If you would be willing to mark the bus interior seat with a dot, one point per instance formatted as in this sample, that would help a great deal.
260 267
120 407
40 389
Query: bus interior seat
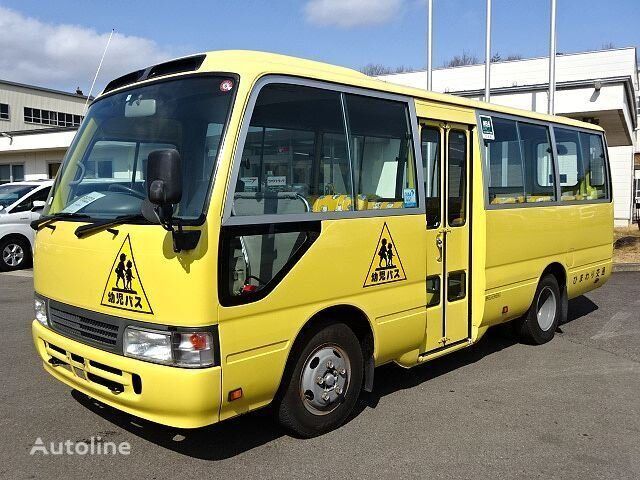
332 203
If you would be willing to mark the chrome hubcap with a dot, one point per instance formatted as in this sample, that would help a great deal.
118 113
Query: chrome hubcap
546 308
13 254
324 379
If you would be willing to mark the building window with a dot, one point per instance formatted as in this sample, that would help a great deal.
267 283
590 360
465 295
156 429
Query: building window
53 169
11 172
48 117
4 111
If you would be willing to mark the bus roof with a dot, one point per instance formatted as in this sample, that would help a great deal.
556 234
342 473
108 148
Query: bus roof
256 64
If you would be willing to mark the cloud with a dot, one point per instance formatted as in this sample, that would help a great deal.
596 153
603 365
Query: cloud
66 56
351 13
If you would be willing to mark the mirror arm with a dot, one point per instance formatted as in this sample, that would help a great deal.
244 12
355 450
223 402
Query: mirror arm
182 239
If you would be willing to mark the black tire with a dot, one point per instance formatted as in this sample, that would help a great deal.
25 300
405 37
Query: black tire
293 407
539 329
15 253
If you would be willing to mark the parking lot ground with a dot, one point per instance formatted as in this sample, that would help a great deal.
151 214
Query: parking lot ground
569 409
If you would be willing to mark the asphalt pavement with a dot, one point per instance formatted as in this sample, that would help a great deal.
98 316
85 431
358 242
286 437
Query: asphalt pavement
569 409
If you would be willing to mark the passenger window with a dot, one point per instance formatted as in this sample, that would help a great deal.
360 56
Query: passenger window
295 157
520 163
457 178
430 144
538 168
595 178
504 164
381 151
571 165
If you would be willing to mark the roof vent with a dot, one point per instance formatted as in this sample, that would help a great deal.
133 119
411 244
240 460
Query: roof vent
187 64
124 80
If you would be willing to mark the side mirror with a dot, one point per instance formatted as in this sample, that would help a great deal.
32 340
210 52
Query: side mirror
38 205
164 190
164 181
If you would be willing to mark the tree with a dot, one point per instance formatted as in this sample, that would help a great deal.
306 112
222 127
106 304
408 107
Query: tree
464 59
514 56
496 58
377 69
607 46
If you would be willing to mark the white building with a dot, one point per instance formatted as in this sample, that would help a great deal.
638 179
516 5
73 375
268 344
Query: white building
599 87
36 128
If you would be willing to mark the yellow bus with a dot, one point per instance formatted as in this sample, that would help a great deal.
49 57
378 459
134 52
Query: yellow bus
237 229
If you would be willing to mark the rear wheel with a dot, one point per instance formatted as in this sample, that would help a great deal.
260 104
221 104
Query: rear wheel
324 384
541 321
15 253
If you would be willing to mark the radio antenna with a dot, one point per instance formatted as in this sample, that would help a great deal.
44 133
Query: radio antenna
97 72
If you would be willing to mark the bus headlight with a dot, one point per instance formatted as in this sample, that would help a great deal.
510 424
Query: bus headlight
40 307
180 349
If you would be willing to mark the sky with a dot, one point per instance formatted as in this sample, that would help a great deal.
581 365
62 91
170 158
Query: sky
58 44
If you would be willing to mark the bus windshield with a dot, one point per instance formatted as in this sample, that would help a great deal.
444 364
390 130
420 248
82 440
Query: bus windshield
103 175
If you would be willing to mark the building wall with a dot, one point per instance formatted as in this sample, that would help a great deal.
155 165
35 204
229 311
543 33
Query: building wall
36 163
18 97
621 160
535 71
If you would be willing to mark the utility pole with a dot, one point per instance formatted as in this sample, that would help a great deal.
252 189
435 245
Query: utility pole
487 59
430 46
551 109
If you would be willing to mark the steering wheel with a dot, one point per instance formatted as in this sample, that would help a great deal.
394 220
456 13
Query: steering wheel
135 193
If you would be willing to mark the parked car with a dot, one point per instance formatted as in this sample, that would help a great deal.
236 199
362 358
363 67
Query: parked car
20 203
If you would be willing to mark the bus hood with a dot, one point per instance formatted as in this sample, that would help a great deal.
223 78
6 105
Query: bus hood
130 271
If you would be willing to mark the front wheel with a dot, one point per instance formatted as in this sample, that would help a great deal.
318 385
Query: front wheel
541 321
324 385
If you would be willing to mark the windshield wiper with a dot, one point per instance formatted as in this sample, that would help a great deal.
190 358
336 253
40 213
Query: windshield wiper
84 230
49 219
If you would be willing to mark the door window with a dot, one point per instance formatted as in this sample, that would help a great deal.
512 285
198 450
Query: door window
457 178
430 144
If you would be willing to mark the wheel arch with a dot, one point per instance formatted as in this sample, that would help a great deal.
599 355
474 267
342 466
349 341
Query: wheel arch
559 272
350 315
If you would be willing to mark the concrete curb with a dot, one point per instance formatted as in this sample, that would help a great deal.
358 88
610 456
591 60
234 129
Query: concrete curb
626 267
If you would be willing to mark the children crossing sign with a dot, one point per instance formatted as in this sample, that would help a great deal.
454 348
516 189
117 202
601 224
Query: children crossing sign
386 266
124 288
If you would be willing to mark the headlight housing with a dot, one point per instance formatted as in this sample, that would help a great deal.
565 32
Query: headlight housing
40 307
180 349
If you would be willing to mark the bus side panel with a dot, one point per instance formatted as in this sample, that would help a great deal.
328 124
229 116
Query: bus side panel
256 338
522 242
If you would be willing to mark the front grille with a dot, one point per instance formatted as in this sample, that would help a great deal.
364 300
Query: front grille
84 329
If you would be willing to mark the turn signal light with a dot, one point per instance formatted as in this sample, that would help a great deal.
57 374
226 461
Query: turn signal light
235 394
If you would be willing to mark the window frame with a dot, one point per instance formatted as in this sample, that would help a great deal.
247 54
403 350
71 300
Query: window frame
228 219
556 168
8 118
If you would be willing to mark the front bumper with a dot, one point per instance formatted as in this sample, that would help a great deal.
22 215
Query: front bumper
178 397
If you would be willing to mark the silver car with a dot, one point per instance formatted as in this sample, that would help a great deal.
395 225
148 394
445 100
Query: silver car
20 203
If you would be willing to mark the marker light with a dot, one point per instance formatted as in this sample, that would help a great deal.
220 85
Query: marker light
180 349
40 307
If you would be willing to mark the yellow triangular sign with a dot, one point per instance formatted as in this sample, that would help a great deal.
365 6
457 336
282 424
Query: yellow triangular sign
124 289
386 266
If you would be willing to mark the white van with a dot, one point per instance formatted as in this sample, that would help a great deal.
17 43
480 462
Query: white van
20 203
